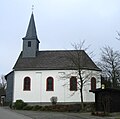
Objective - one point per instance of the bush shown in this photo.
(19, 104)
(36, 107)
(43, 109)
(54, 100)
(28, 107)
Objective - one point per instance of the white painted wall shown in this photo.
(38, 91)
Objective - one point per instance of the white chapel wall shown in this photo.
(38, 91)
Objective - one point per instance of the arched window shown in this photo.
(50, 84)
(93, 83)
(27, 81)
(73, 83)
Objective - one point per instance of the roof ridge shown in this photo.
(58, 50)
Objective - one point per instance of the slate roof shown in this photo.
(31, 33)
(54, 60)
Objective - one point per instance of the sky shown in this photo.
(59, 24)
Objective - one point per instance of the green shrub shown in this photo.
(44, 108)
(36, 107)
(19, 104)
(28, 107)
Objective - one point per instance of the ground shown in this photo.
(61, 115)
(17, 114)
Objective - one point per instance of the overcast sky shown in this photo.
(59, 23)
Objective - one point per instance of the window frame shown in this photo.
(93, 83)
(47, 83)
(71, 83)
(29, 43)
(27, 84)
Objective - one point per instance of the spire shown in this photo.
(30, 41)
(31, 31)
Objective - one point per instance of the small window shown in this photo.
(50, 84)
(27, 83)
(73, 83)
(93, 83)
(29, 43)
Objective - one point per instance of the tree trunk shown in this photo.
(82, 103)
(81, 90)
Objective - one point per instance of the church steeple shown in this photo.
(31, 31)
(30, 41)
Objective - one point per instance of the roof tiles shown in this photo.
(55, 60)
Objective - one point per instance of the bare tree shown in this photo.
(3, 82)
(118, 33)
(78, 61)
(110, 65)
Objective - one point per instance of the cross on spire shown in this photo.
(32, 8)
